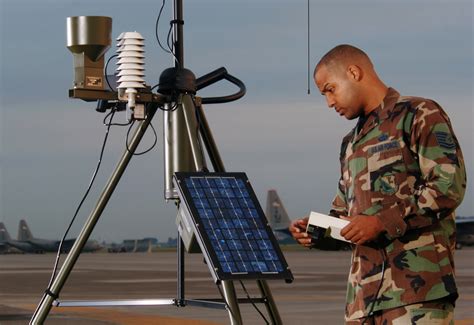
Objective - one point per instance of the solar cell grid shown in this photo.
(231, 224)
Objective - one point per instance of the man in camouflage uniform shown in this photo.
(402, 176)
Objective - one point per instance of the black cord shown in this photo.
(253, 304)
(168, 38)
(156, 28)
(143, 152)
(154, 87)
(384, 257)
(105, 71)
(172, 109)
(308, 51)
(169, 50)
(168, 43)
(58, 256)
(109, 123)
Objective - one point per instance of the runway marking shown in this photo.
(153, 280)
(464, 321)
(467, 297)
(123, 318)
(28, 271)
(309, 298)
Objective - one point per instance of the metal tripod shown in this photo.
(183, 152)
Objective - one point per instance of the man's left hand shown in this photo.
(362, 229)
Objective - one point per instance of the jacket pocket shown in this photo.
(414, 266)
(387, 171)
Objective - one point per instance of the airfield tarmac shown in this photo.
(315, 297)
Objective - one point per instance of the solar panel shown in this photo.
(230, 226)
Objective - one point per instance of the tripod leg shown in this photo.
(231, 299)
(180, 302)
(45, 304)
(269, 302)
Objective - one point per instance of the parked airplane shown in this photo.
(48, 245)
(278, 217)
(279, 221)
(7, 242)
(464, 231)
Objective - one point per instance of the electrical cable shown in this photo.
(156, 28)
(172, 109)
(109, 123)
(168, 37)
(309, 91)
(58, 256)
(170, 51)
(384, 257)
(143, 152)
(253, 304)
(105, 71)
(168, 42)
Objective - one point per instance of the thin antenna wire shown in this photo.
(309, 91)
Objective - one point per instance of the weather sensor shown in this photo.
(88, 38)
(131, 66)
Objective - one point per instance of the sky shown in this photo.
(279, 135)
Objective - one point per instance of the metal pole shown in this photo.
(272, 309)
(178, 44)
(192, 129)
(180, 302)
(232, 303)
(46, 302)
(209, 142)
(197, 152)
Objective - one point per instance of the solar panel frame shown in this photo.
(227, 233)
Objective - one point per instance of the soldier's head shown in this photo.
(346, 76)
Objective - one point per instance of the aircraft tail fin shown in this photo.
(276, 212)
(24, 233)
(4, 235)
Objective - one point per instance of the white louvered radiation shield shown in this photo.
(130, 66)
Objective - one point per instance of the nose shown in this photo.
(330, 101)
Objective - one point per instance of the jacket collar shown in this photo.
(382, 112)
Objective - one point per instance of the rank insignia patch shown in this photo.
(445, 140)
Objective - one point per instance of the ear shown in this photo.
(354, 72)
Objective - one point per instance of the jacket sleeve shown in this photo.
(338, 208)
(441, 184)
(339, 204)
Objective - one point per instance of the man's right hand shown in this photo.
(298, 231)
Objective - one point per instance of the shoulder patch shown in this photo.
(445, 140)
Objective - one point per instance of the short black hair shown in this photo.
(342, 53)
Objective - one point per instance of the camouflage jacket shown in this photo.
(404, 166)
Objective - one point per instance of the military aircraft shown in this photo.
(48, 245)
(278, 217)
(464, 231)
(6, 242)
(279, 221)
(29, 244)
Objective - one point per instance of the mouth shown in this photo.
(339, 111)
